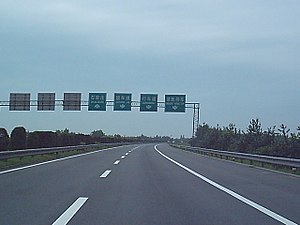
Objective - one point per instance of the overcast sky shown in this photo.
(239, 59)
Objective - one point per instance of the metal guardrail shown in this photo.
(41, 151)
(292, 163)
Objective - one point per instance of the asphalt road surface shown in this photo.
(147, 184)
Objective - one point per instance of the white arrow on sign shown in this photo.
(175, 107)
(148, 106)
(97, 106)
(122, 106)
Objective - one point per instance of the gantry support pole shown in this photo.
(196, 118)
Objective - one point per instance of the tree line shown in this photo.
(273, 141)
(22, 139)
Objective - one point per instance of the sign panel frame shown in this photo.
(72, 102)
(19, 102)
(97, 102)
(149, 103)
(122, 101)
(175, 103)
(46, 102)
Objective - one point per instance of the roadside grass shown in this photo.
(28, 160)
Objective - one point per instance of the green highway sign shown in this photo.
(97, 102)
(148, 103)
(122, 102)
(175, 103)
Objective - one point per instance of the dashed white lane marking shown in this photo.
(135, 148)
(117, 162)
(129, 151)
(123, 157)
(126, 154)
(70, 212)
(232, 193)
(105, 174)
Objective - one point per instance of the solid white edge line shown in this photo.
(105, 174)
(232, 193)
(117, 162)
(70, 212)
(54, 160)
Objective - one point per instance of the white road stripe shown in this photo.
(117, 162)
(126, 154)
(70, 212)
(232, 193)
(105, 174)
(123, 157)
(129, 151)
(55, 160)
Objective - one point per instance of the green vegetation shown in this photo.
(18, 138)
(22, 139)
(274, 142)
(4, 139)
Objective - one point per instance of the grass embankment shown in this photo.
(28, 160)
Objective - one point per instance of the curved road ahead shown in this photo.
(147, 184)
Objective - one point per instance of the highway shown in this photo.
(147, 185)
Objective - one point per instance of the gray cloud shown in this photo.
(240, 59)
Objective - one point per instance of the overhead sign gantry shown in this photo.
(173, 103)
